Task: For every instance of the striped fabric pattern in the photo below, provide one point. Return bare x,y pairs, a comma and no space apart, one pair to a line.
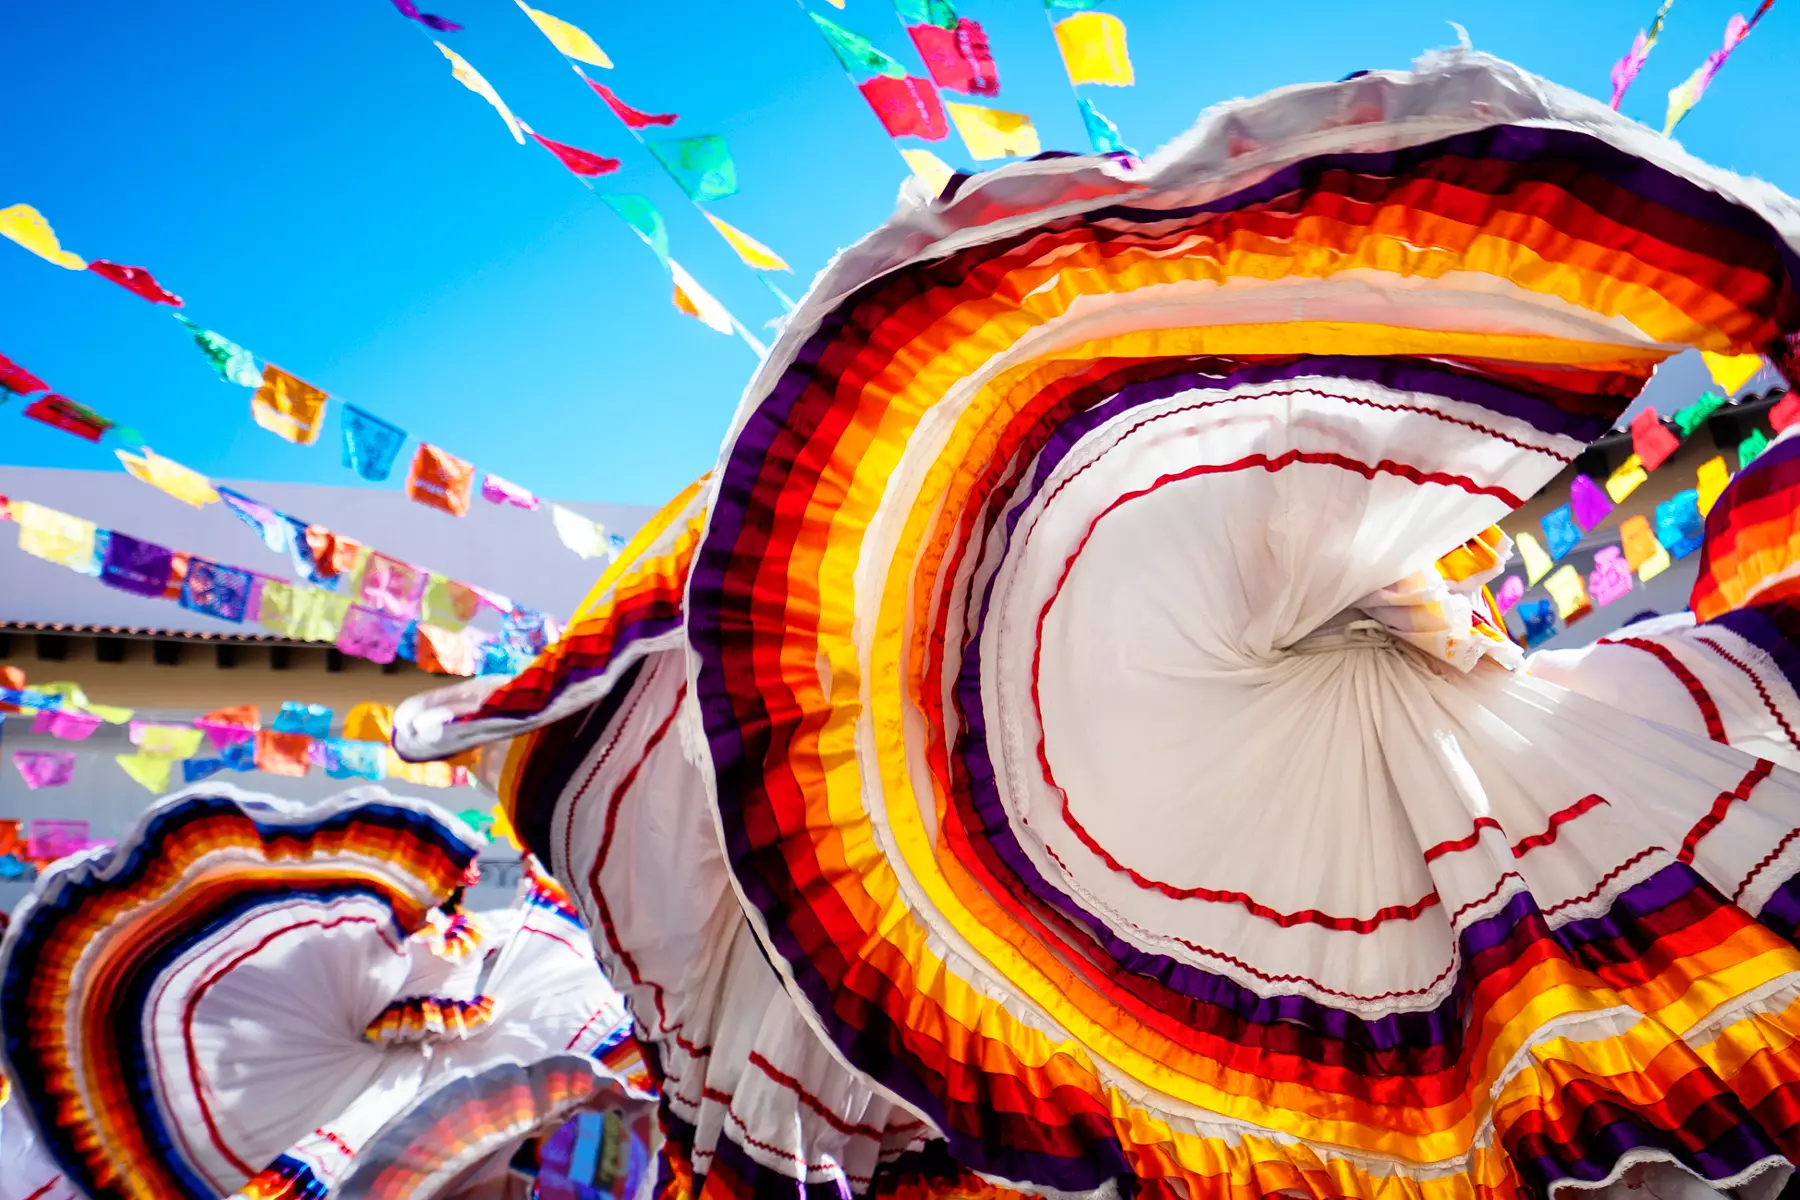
849,637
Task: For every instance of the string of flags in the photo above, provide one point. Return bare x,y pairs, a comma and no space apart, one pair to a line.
299,739
1648,543
701,166
295,410
957,58
1686,94
1094,51
365,603
1625,71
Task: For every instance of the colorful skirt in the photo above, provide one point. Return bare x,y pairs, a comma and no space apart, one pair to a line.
1066,746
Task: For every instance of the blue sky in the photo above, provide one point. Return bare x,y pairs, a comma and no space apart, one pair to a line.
311,179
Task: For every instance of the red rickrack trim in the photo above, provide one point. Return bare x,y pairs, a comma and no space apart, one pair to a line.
1721,806
1767,860
1709,711
807,1098
1605,879
1498,884
828,1167
1755,682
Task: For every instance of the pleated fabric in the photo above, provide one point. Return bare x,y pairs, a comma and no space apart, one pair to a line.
244,992
1068,746
1108,764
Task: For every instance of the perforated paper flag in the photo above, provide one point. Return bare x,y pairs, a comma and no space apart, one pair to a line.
60,412
139,567
57,537
16,379
283,753
1732,371
586,538
1587,503
1626,69
1626,478
370,634
1655,565
1786,412
26,226
229,726
1539,619
958,58
1610,578
314,720
216,590
753,252
370,443
581,162
444,651
1569,592
51,840
65,726
1560,531
644,219
305,614
151,771
346,759
472,79
1679,525
170,477
496,490
1690,418
1094,50
1650,441
1637,541
1103,135
269,525
440,480
288,407
991,133
907,107
370,721
449,603
572,40
634,117
696,301
1537,562
1509,593
429,20
856,52
45,768
1712,477
233,363
932,171
136,280
1750,447
394,587
926,12
701,165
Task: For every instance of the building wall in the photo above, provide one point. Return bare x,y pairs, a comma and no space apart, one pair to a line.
199,684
